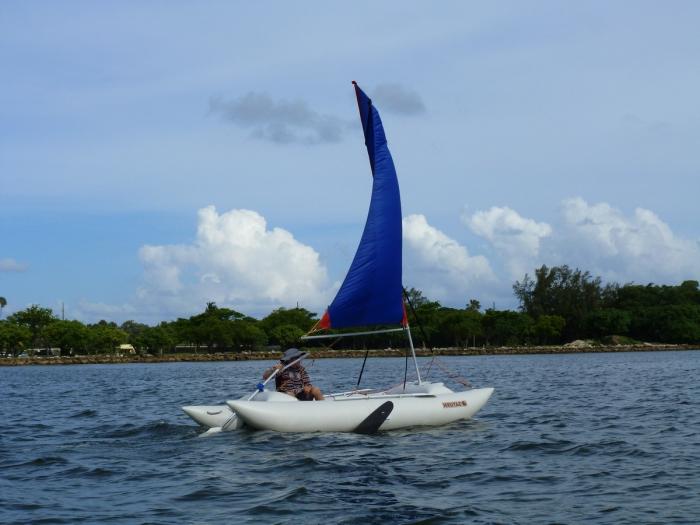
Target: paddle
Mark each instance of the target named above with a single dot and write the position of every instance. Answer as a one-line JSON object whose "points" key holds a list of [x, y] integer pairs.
{"points": [[371, 424], [231, 423]]}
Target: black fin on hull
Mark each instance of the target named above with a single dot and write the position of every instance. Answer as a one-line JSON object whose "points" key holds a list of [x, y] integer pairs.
{"points": [[371, 424]]}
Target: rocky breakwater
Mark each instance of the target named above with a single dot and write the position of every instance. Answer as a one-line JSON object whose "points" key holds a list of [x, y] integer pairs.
{"points": [[115, 359], [570, 348]]}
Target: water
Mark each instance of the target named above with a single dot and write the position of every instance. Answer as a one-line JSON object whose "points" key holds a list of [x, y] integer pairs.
{"points": [[603, 438]]}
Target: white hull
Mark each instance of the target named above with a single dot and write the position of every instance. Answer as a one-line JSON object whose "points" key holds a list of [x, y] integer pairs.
{"points": [[209, 415], [345, 414], [427, 404]]}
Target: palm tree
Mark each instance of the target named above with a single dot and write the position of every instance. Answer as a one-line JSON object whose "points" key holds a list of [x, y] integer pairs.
{"points": [[3, 304]]}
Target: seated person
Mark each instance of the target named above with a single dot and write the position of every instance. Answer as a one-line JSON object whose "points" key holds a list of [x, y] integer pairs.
{"points": [[295, 379]]}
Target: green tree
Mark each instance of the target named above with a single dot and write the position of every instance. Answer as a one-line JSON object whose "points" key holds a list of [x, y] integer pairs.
{"points": [[224, 314], [216, 333], [548, 328], [286, 335], [660, 313], [474, 305], [14, 338], [247, 335], [460, 327], [633, 296], [158, 339], [504, 327], [559, 290], [689, 292], [36, 319], [185, 333], [70, 336], [607, 321], [426, 320], [213, 327], [416, 298], [299, 317], [136, 333], [669, 323], [104, 337], [3, 304]]}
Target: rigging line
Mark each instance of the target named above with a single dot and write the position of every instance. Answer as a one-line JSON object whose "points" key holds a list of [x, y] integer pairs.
{"points": [[363, 368], [422, 331], [434, 360], [405, 372], [430, 365], [324, 347], [330, 346], [452, 375]]}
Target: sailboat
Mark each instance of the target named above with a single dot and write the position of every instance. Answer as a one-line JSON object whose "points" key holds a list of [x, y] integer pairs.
{"points": [[371, 295]]}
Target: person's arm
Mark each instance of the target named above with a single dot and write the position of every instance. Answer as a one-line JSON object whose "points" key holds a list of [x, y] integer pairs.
{"points": [[267, 373]]}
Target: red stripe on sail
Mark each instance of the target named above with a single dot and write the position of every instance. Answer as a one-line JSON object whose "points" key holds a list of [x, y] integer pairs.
{"points": [[325, 322]]}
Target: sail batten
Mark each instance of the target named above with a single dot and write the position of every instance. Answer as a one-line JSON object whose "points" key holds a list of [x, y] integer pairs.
{"points": [[371, 293]]}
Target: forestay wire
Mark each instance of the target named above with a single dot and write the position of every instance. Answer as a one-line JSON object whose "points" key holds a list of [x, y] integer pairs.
{"points": [[422, 331], [434, 360]]}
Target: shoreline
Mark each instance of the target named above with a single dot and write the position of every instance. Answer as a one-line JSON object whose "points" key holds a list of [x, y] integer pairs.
{"points": [[346, 354]]}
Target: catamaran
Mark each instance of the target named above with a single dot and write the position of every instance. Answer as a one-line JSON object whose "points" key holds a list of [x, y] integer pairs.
{"points": [[371, 295]]}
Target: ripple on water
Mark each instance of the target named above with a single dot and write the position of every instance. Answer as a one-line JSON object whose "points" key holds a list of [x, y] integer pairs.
{"points": [[211, 493], [45, 461], [560, 442], [84, 413], [152, 430], [87, 472]]}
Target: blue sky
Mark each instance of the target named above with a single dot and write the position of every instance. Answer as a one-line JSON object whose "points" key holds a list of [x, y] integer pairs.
{"points": [[523, 133]]}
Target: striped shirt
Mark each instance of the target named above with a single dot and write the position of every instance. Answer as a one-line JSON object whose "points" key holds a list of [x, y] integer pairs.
{"points": [[291, 381]]}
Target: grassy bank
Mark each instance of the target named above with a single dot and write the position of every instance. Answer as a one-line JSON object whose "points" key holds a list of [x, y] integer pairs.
{"points": [[322, 354]]}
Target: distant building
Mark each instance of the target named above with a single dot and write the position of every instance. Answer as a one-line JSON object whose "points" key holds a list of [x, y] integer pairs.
{"points": [[127, 349]]}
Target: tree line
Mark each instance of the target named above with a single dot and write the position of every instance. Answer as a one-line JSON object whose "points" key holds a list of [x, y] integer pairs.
{"points": [[556, 305], [215, 329]]}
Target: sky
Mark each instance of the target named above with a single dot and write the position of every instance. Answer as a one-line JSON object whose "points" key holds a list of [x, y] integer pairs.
{"points": [[155, 156]]}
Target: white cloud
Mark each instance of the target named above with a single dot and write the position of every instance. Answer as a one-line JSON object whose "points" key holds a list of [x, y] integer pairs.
{"points": [[594, 237], [517, 239], [235, 260], [238, 261], [642, 247], [439, 265], [10, 265]]}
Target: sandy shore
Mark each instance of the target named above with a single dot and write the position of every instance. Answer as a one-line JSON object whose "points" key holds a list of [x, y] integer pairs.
{"points": [[322, 354]]}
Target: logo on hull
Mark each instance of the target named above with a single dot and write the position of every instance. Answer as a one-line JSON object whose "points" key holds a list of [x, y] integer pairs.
{"points": [[454, 404]]}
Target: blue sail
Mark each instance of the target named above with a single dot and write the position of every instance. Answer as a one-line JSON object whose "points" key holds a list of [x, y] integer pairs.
{"points": [[371, 293]]}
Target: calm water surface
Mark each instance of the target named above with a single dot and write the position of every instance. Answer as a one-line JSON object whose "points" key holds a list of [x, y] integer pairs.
{"points": [[603, 438]]}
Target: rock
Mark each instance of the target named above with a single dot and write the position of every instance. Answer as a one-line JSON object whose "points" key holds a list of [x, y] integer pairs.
{"points": [[578, 343]]}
